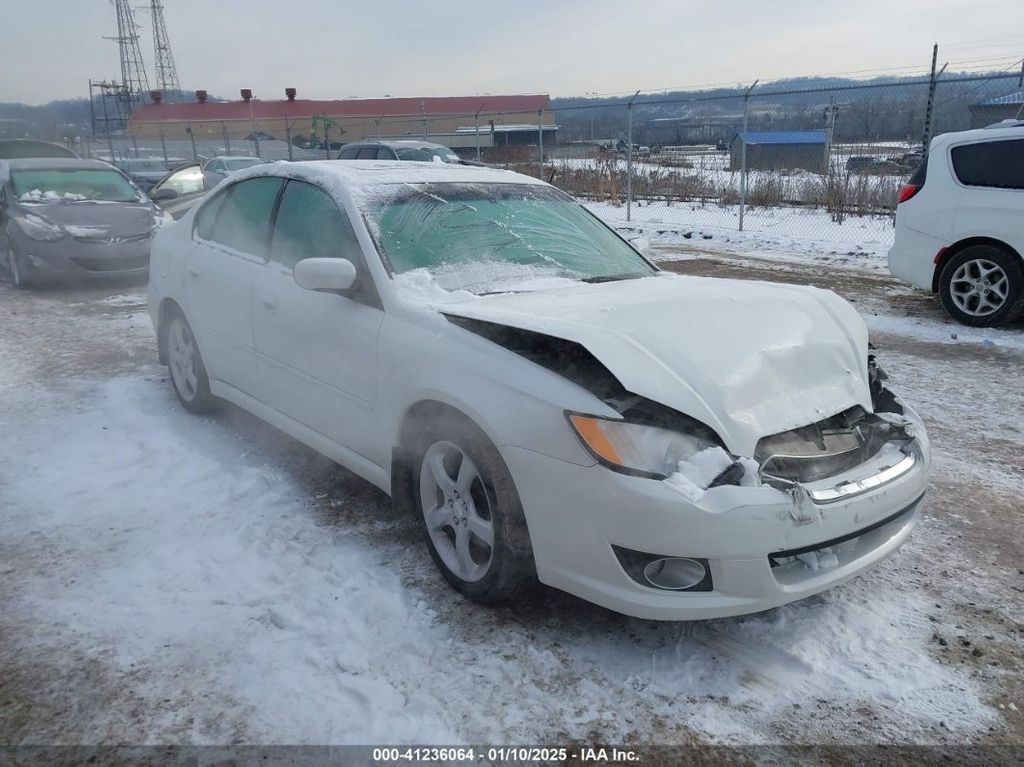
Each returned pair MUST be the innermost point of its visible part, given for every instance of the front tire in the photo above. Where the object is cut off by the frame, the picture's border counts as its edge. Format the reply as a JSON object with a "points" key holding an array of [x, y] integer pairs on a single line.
{"points": [[982, 285], [470, 511], [188, 373], [18, 270]]}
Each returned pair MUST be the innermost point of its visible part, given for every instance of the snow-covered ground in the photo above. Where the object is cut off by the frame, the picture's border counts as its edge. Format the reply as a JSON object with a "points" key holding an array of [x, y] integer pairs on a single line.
{"points": [[779, 233], [208, 580]]}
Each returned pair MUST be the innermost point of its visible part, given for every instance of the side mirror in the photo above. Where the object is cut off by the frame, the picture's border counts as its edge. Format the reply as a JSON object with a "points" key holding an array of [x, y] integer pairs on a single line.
{"points": [[324, 274], [163, 194]]}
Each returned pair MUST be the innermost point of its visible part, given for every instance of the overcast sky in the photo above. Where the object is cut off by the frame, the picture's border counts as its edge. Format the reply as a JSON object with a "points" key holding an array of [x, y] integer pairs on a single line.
{"points": [[331, 49]]}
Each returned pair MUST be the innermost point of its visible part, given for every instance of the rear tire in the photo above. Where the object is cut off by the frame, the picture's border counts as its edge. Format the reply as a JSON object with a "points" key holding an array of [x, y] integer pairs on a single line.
{"points": [[982, 285], [188, 373], [473, 521]]}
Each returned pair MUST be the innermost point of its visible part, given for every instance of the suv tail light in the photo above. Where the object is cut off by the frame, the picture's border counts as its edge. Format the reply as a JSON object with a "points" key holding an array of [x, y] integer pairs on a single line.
{"points": [[907, 191]]}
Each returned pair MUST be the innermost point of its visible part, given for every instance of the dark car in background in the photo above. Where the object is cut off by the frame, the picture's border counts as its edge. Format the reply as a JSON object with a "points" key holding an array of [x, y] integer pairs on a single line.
{"points": [[146, 172], [20, 148], [72, 218], [420, 151]]}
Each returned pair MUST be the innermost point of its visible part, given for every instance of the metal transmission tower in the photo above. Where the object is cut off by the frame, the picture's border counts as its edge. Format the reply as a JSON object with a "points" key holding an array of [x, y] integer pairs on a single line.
{"points": [[166, 72], [133, 71]]}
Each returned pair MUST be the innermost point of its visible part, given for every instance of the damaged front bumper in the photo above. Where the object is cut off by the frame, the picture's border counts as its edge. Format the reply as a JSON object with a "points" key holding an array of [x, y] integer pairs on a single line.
{"points": [[755, 540]]}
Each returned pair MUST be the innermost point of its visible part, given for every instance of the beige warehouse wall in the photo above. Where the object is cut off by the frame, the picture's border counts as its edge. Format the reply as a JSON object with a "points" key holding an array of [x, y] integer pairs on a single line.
{"points": [[355, 128]]}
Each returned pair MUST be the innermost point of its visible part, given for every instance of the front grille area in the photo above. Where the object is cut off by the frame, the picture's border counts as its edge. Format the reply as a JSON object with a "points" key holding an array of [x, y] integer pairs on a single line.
{"points": [[826, 448], [112, 264]]}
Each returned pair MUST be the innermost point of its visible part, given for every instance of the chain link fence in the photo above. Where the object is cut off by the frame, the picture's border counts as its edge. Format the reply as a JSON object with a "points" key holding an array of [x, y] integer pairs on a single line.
{"points": [[814, 168]]}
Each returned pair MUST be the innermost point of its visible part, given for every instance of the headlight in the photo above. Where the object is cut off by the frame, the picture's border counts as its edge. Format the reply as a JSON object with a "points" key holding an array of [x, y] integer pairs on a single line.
{"points": [[38, 229], [634, 448]]}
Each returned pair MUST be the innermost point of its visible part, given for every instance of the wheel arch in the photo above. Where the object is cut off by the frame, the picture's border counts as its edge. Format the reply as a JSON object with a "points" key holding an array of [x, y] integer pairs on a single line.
{"points": [[409, 426], [168, 307], [962, 245]]}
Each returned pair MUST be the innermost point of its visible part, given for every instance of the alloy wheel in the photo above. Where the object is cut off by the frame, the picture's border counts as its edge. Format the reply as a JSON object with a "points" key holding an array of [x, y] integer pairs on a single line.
{"points": [[181, 353], [457, 511], [979, 287]]}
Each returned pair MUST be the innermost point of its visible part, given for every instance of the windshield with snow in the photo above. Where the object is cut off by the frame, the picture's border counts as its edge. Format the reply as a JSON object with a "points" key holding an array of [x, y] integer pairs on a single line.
{"points": [[497, 237], [72, 185]]}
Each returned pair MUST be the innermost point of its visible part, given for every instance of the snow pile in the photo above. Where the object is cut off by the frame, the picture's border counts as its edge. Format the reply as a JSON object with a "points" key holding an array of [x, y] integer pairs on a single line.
{"points": [[88, 232], [37, 195], [419, 286], [469, 281], [695, 474]]}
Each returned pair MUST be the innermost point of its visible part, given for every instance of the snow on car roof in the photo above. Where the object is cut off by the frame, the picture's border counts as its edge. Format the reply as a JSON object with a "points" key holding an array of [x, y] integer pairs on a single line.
{"points": [[356, 174]]}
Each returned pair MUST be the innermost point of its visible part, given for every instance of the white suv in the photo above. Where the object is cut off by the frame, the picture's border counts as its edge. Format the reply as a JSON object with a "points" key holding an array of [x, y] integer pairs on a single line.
{"points": [[961, 234]]}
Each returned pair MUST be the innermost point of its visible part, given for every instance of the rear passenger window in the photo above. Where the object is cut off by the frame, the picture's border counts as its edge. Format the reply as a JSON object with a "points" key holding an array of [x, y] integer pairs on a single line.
{"points": [[207, 216], [310, 225], [244, 220], [367, 153], [348, 154], [998, 164]]}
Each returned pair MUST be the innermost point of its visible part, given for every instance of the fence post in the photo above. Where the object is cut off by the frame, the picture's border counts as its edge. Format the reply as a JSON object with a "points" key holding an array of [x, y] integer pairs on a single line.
{"points": [[629, 157], [163, 144], [743, 152], [227, 141], [540, 144], [476, 130]]}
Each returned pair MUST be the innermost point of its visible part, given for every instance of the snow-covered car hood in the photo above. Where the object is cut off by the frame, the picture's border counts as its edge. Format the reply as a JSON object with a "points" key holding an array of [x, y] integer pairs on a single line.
{"points": [[96, 220], [747, 359]]}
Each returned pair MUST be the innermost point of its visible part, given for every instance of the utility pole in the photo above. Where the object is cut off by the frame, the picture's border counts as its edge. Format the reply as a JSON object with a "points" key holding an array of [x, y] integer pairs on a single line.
{"points": [[831, 112], [423, 117], [629, 157], [743, 152], [933, 81]]}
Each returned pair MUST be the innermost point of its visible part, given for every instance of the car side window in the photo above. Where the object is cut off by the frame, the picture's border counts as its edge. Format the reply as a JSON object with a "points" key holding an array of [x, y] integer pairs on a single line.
{"points": [[310, 225], [349, 154], [997, 164], [207, 216], [367, 153], [243, 222], [383, 153]]}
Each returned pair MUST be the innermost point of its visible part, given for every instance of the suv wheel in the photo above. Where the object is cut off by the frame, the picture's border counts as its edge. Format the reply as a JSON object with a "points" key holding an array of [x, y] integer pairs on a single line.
{"points": [[982, 285]]}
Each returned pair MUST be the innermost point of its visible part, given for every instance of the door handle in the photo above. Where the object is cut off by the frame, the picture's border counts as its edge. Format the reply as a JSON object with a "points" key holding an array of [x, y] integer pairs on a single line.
{"points": [[269, 304]]}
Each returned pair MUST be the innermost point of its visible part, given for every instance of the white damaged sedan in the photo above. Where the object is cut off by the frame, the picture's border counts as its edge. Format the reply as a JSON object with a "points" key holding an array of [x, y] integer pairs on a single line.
{"points": [[548, 403]]}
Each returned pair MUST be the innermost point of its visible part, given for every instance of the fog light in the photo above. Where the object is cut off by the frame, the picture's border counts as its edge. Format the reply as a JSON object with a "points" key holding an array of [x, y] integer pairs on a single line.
{"points": [[674, 573], [666, 573]]}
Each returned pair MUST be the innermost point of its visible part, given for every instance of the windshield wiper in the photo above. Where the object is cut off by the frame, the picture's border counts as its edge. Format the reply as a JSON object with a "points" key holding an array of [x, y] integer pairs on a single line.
{"points": [[610, 278]]}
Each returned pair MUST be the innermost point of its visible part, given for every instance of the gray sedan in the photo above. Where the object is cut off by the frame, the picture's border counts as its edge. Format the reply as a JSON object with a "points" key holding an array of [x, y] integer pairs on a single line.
{"points": [[72, 218]]}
